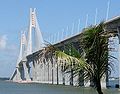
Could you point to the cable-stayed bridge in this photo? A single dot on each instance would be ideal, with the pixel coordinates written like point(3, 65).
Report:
point(32, 66)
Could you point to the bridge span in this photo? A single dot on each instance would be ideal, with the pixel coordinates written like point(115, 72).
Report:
point(32, 66)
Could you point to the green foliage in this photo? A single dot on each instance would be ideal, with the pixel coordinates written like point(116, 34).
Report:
point(94, 59)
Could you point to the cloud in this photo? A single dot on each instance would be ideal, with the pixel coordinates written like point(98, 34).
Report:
point(3, 41)
point(6, 47)
point(8, 55)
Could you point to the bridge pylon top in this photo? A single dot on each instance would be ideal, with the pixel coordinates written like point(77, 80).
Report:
point(38, 39)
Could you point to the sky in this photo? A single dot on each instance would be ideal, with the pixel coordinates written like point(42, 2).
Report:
point(54, 16)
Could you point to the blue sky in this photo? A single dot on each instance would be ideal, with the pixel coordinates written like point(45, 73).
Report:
point(53, 16)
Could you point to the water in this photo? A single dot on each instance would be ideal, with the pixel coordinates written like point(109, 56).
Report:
point(15, 88)
point(113, 83)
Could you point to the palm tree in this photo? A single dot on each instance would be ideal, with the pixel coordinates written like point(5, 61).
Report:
point(94, 59)
point(48, 54)
point(95, 45)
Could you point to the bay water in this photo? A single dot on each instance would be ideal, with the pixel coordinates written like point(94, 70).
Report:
point(7, 87)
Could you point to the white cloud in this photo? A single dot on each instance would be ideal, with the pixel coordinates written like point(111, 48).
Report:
point(3, 41)
point(8, 55)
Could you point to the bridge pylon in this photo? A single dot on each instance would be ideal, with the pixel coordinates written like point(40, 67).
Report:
point(22, 71)
point(18, 74)
point(34, 26)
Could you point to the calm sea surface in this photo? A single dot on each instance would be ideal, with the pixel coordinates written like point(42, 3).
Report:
point(15, 88)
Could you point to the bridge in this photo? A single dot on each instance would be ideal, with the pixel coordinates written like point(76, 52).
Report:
point(32, 66)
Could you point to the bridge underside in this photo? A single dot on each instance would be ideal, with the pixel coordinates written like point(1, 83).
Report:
point(39, 68)
point(48, 70)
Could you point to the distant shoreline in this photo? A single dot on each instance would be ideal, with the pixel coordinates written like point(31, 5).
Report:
point(3, 79)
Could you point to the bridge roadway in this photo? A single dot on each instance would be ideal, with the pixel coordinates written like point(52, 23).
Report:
point(50, 72)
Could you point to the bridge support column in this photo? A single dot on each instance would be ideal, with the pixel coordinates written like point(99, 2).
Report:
point(26, 71)
point(81, 78)
point(17, 75)
point(63, 74)
point(118, 29)
point(39, 70)
point(34, 71)
point(46, 71)
point(71, 76)
point(50, 71)
point(57, 73)
point(66, 76)
point(60, 73)
point(43, 73)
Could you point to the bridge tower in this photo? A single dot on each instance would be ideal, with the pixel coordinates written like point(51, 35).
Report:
point(38, 39)
point(22, 71)
point(33, 25)
point(18, 72)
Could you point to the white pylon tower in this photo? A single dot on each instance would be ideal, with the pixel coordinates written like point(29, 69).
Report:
point(38, 36)
point(26, 48)
point(16, 76)
point(39, 43)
